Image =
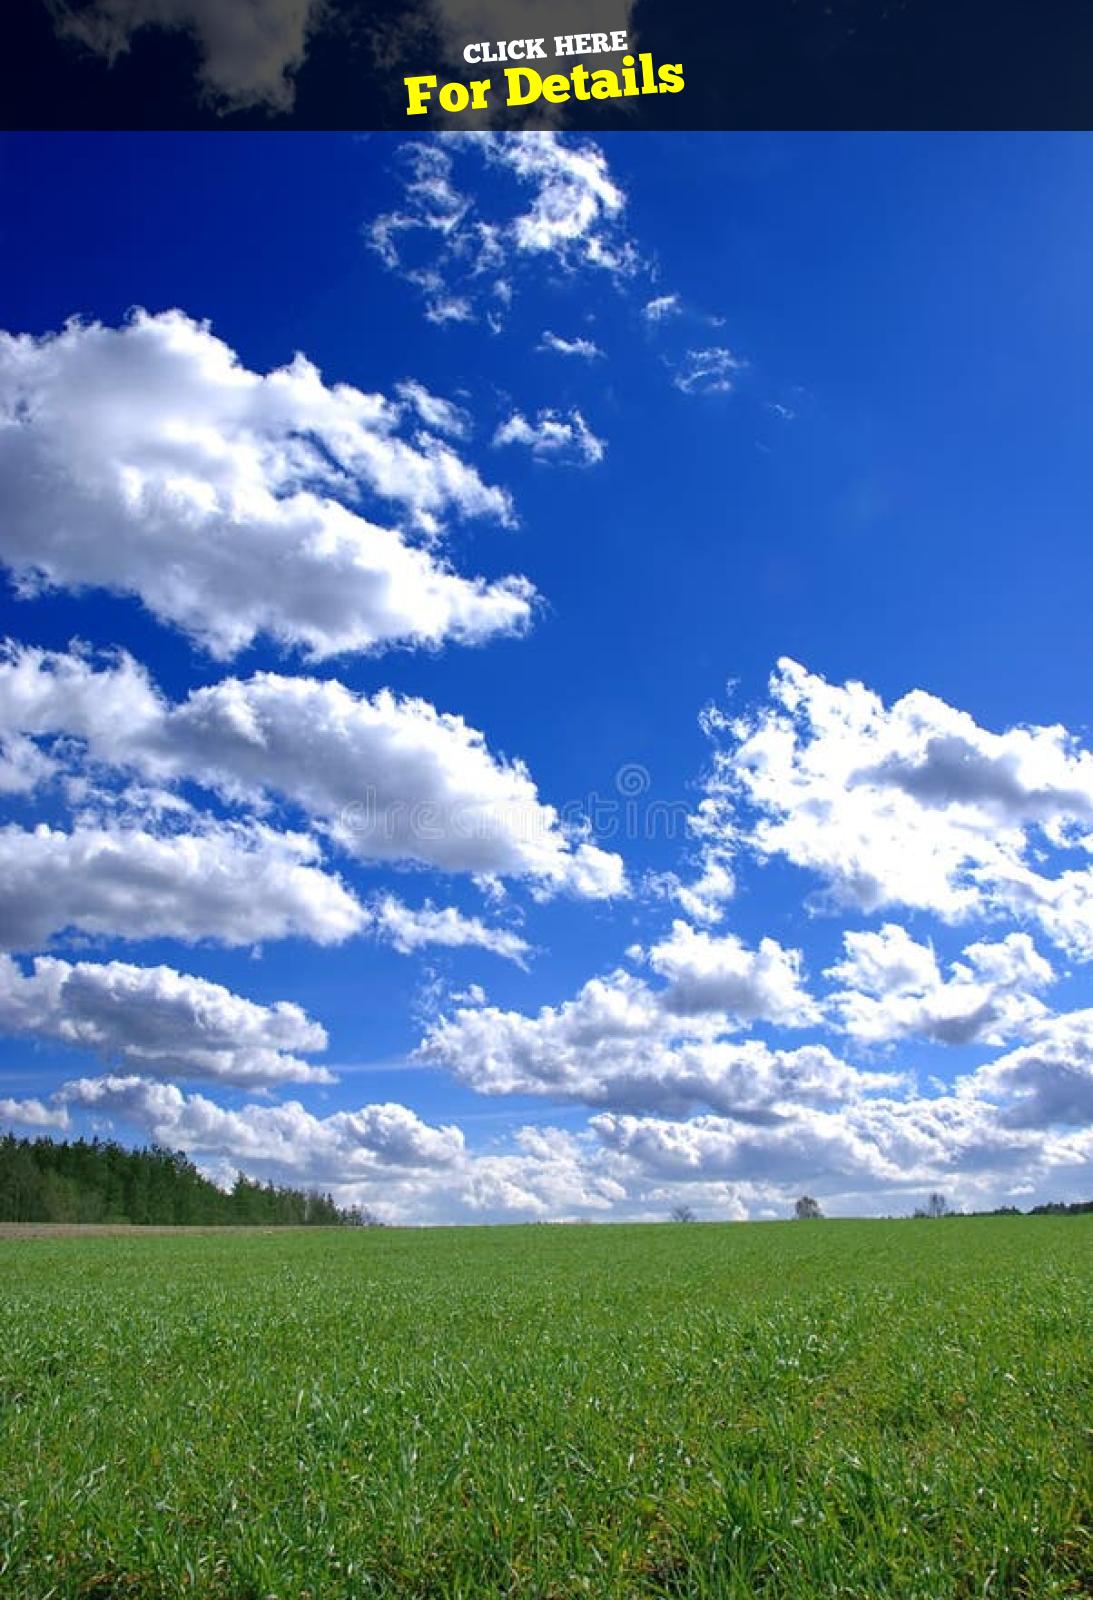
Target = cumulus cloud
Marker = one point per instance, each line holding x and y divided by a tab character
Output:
1047	1082
249	53
623	1164
646	1060
285	1138
387	777
709	371
911	804
462	257
703	898
887	962
718	1147
149	461
55	693
894	989
32	1113
160	1022
234	884
587	349
551	1173
711	974
753	1159
898	1145
619	1043
383	1156
565	440
409	929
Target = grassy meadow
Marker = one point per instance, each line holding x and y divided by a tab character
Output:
878	1410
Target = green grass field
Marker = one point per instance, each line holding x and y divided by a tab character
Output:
862	1409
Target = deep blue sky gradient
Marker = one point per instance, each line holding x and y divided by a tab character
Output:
920	302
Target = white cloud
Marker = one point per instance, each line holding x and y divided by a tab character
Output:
332	1149
550	1174
854	1151
461	259
157	1021
449	308
718	1147
32	1114
620	1044
864	1151
148	460
46	693
704	897
710	974
234	884
553	342
869	1145
249	52
472	995
387	778
566	440
410	929
1047	1082
574	198
887	962
895	989
709	371
912	804
780	1119
432	205
661	306
383	1156
444	416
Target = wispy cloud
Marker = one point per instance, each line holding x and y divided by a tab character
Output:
553	342
709	371
566	440
463	251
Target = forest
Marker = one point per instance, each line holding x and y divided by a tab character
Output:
47	1180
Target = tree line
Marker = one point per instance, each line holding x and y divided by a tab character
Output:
938	1206
96	1180
807	1209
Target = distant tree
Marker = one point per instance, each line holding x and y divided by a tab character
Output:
361	1217
937	1205
807	1209
682	1213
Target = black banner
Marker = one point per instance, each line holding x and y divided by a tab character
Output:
578	64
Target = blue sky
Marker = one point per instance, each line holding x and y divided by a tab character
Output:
830	405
